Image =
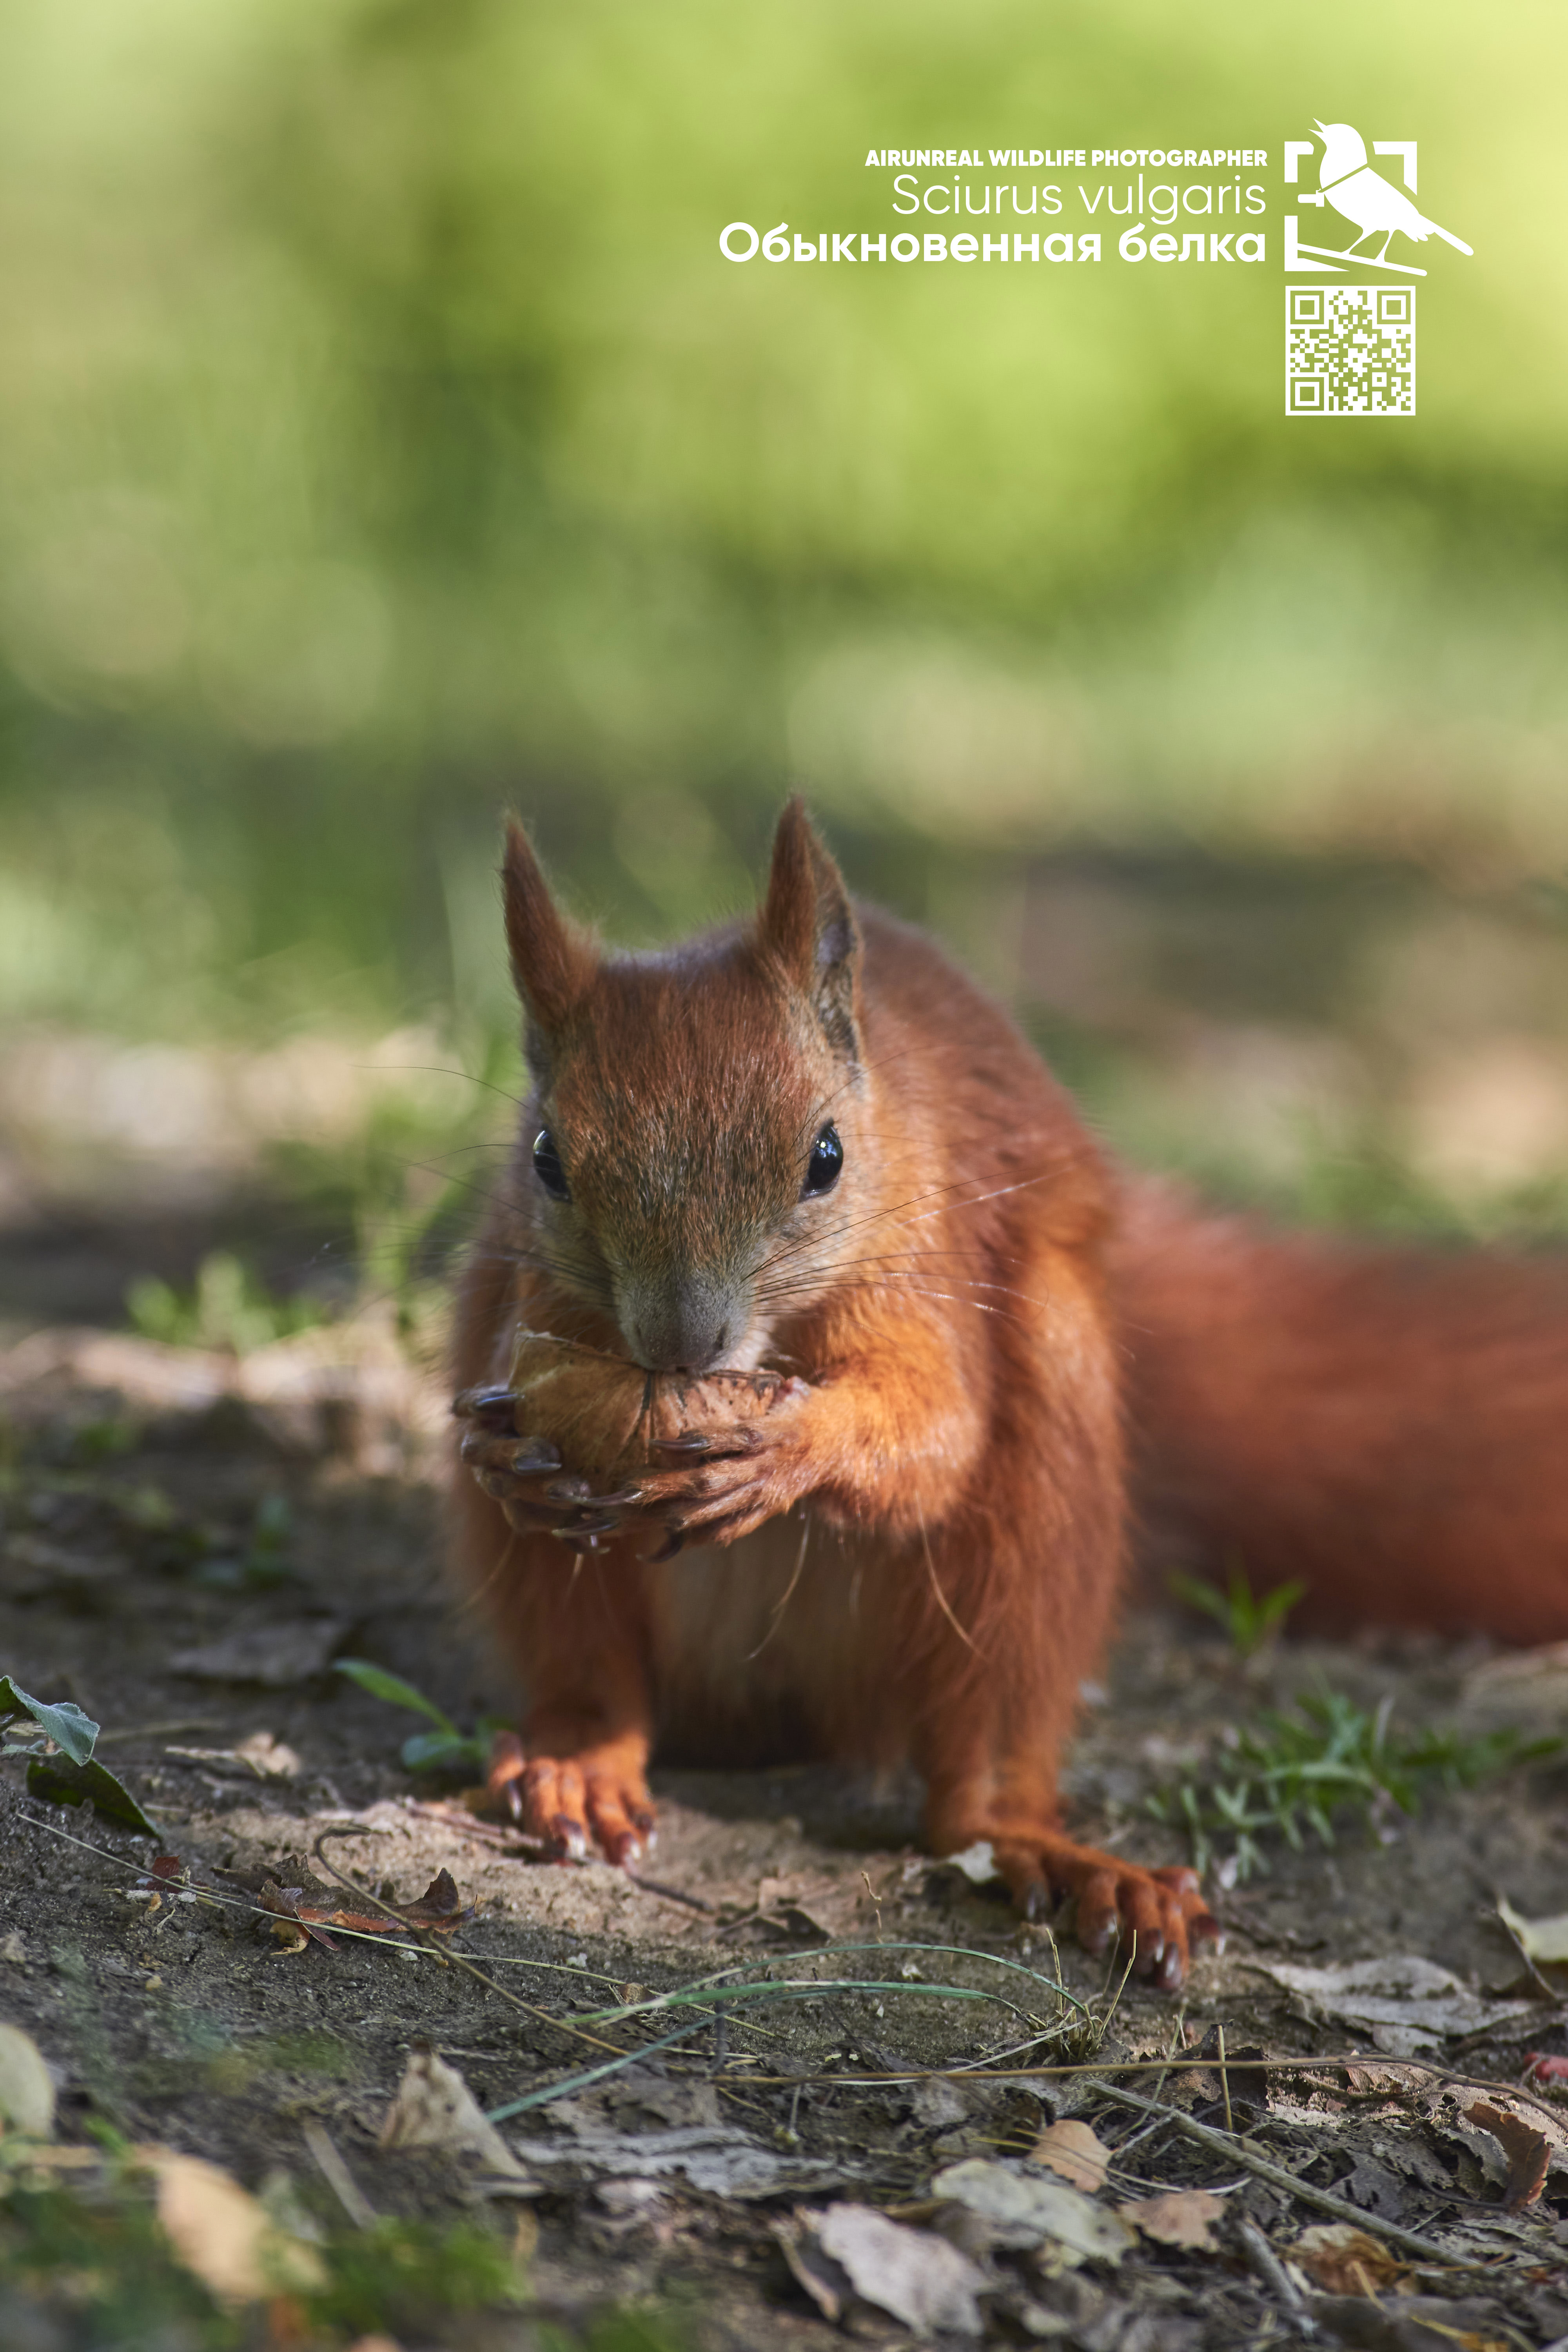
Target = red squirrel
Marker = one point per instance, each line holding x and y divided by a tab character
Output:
797	1199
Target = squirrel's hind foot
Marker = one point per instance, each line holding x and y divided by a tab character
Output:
1155	1915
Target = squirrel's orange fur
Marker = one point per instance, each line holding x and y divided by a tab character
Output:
912	1547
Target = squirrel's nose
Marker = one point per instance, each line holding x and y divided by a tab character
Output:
679	1326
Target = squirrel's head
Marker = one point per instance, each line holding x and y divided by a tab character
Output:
690	1148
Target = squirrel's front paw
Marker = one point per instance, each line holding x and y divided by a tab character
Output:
528	1479
725	1480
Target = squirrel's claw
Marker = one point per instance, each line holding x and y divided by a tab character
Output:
580	1491
715	1446
497	1449
535	1454
492	1408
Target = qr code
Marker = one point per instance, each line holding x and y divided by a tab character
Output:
1350	350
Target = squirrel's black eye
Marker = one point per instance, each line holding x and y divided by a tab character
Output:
822	1169
547	1165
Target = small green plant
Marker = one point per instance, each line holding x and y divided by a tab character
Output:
1291	1772
266	1560
227	1307
402	2274
445	1749
620	2331
1251	1620
57	1739
85	1443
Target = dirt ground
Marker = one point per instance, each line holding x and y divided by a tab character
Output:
188	1544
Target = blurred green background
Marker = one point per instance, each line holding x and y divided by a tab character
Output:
383	441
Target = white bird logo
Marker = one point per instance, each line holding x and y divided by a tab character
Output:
1366	197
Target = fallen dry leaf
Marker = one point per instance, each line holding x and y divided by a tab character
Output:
1544	1941
1342	2260
917	2276
1076	2152
280	1656
826	2283
1381	2082
26	2086
791	1923
1407	2004
1529	2152
1180	2216
1019	2209
439	1907
936	2104
435	2109
713	2157
291	1930
782	1910
224	2235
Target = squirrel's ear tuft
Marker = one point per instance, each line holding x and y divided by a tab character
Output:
808	924
552	964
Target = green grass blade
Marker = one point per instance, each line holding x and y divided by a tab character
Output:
395	1691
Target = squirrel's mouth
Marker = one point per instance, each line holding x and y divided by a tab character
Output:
746	1358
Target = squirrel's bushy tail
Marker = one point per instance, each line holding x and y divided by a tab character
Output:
1391	1425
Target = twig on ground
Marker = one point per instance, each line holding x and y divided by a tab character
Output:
337	2176
1139	2133
667	1894
1266	2265
1235	2151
